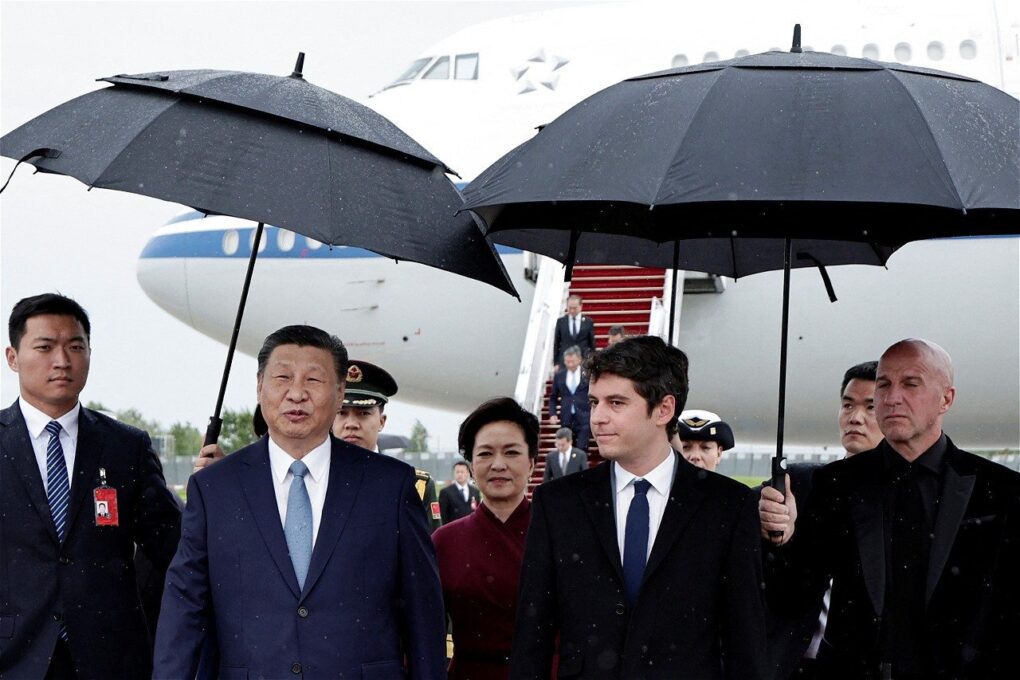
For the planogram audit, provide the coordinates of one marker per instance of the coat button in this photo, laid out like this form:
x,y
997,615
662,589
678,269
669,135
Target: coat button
x,y
302,612
296,669
620,608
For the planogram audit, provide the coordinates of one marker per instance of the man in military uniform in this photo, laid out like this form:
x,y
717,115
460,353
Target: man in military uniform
x,y
361,419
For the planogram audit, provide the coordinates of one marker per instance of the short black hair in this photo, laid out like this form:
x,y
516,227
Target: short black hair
x,y
655,368
305,336
494,411
37,305
565,433
866,371
617,329
464,463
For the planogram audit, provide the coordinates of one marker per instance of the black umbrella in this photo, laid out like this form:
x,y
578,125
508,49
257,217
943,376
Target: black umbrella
x,y
275,150
771,161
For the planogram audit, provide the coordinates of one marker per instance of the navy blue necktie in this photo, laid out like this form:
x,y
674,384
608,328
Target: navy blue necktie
x,y
635,541
58,490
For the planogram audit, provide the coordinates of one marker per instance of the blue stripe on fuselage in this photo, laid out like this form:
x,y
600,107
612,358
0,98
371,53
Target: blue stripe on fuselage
x,y
209,244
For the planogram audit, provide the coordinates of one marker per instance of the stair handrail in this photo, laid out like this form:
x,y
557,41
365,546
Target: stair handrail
x,y
536,355
657,317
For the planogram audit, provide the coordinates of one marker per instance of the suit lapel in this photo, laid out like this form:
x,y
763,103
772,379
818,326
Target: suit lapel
x,y
869,526
17,447
257,485
87,455
346,469
683,501
597,499
956,493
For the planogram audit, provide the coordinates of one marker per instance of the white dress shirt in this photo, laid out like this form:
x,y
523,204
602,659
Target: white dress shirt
x,y
464,493
661,479
36,422
316,479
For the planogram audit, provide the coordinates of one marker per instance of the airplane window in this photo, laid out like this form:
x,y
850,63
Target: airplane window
x,y
968,49
680,60
312,243
262,241
870,51
710,56
903,52
740,53
466,67
839,49
936,51
284,240
414,69
439,70
231,241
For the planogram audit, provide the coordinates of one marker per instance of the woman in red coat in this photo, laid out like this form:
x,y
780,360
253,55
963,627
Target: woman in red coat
x,y
480,555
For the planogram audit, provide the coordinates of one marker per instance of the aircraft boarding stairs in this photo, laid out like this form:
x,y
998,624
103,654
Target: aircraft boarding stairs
x,y
629,296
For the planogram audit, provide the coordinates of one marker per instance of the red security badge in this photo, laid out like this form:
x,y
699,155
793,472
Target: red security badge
x,y
105,500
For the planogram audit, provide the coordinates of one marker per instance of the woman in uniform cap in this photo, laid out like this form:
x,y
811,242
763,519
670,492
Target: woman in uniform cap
x,y
701,436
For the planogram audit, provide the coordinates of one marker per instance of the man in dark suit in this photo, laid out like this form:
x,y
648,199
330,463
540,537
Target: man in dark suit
x,y
460,498
794,640
573,329
78,491
565,458
308,556
920,539
568,401
645,566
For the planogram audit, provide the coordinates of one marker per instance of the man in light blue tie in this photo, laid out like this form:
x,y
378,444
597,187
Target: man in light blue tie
x,y
78,492
308,556
644,566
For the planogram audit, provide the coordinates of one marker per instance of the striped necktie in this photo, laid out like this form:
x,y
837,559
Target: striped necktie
x,y
58,490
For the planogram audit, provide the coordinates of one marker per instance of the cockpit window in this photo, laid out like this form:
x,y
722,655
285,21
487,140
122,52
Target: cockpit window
x,y
414,69
466,67
439,70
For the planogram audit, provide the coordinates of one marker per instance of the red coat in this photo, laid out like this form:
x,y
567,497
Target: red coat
x,y
479,566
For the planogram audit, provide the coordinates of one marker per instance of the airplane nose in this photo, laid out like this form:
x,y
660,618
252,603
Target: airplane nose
x,y
164,279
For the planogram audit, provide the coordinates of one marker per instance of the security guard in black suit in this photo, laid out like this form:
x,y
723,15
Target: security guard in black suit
x,y
361,419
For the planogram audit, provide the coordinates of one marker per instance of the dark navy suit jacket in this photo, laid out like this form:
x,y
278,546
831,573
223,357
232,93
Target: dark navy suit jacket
x,y
371,606
86,582
561,400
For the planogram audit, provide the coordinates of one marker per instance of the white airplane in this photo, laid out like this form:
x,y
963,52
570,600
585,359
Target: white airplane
x,y
452,343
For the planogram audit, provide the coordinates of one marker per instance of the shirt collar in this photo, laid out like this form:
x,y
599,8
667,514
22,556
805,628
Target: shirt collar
x,y
930,460
36,421
660,477
316,460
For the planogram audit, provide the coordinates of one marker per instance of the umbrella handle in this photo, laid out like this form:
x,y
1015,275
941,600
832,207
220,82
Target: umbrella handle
x,y
779,461
212,432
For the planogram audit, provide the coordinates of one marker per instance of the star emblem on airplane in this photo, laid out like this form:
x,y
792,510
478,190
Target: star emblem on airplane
x,y
541,69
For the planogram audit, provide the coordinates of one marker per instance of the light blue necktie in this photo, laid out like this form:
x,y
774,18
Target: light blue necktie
x,y
635,541
298,527
58,490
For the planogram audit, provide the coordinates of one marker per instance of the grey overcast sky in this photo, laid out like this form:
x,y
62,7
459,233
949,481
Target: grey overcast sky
x,y
56,236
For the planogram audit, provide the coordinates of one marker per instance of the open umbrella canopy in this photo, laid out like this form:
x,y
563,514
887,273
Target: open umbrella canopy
x,y
311,162
774,145
770,161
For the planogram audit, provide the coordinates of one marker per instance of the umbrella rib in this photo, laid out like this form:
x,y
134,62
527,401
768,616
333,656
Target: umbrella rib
x,y
947,177
137,134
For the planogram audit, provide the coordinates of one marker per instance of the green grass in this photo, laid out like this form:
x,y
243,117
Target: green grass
x,y
749,481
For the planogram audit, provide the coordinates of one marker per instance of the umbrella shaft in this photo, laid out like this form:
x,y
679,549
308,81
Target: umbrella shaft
x,y
212,432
